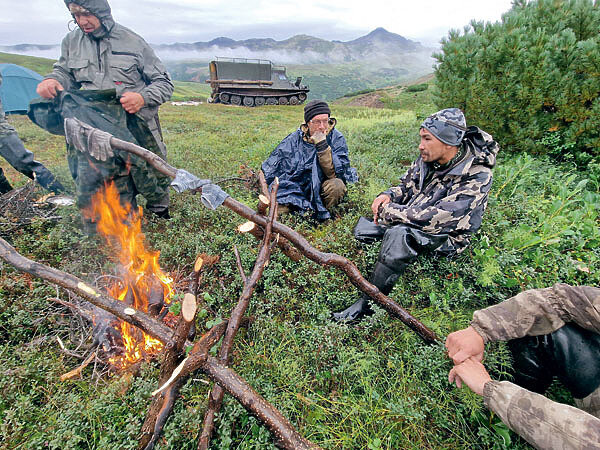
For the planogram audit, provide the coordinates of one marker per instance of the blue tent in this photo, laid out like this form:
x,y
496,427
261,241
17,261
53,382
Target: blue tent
x,y
18,87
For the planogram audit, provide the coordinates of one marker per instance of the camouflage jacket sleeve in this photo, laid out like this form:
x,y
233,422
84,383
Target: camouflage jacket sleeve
x,y
539,311
458,211
540,421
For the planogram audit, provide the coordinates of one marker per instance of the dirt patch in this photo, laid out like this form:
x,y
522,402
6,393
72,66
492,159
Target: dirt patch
x,y
370,100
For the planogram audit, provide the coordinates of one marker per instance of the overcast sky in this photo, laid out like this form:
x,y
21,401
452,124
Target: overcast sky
x,y
169,21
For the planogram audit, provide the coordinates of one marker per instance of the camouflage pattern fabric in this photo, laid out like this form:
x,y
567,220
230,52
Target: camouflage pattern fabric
x,y
540,421
453,200
448,125
539,311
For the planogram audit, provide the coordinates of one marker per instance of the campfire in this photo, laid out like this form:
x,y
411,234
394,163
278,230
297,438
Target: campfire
x,y
142,284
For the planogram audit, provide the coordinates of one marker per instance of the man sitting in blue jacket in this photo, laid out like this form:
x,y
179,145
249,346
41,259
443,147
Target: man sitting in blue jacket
x,y
312,164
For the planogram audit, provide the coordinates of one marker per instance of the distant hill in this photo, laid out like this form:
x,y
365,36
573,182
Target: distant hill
x,y
330,68
415,95
183,90
300,49
39,65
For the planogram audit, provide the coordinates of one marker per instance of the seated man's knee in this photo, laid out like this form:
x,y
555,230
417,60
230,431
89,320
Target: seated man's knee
x,y
403,244
332,192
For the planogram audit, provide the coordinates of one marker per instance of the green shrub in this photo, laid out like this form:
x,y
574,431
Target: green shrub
x,y
417,87
535,72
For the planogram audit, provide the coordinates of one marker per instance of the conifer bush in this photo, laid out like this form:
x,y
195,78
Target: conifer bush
x,y
531,79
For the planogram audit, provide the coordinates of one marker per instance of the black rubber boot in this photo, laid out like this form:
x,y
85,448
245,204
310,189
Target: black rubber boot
x,y
571,353
384,278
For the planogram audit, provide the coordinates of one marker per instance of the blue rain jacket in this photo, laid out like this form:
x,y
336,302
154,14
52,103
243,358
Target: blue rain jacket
x,y
294,161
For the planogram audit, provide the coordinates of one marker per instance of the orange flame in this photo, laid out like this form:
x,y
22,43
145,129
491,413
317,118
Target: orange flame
x,y
121,227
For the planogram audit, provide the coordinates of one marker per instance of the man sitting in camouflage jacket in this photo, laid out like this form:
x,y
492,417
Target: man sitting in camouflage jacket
x,y
552,332
438,205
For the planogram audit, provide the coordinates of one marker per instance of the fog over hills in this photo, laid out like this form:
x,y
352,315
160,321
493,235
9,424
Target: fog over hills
x,y
299,49
332,68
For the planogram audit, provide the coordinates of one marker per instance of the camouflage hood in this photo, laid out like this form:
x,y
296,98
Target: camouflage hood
x,y
482,146
101,9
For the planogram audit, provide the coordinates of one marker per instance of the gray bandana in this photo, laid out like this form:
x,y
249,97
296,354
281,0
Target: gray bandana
x,y
448,125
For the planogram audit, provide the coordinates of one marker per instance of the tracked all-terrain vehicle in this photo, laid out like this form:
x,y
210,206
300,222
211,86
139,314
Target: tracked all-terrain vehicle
x,y
253,82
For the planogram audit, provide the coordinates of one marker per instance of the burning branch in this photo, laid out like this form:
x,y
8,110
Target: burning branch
x,y
285,434
130,315
326,259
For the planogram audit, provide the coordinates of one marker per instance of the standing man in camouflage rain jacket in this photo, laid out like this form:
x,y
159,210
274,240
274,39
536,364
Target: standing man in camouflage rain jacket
x,y
552,332
13,150
436,208
102,54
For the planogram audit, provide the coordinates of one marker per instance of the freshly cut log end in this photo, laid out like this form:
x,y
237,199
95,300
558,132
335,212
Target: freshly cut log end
x,y
246,227
188,307
264,200
198,264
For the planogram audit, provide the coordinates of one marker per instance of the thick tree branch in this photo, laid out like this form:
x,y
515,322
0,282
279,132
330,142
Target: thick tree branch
x,y
216,395
327,259
285,434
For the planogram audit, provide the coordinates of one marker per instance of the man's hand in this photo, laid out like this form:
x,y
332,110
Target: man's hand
x,y
383,199
464,344
132,102
317,137
49,88
470,372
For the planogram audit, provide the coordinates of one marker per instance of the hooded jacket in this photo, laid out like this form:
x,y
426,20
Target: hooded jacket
x,y
294,161
451,200
113,57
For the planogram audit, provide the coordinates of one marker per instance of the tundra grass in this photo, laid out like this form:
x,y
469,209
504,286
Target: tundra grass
x,y
374,385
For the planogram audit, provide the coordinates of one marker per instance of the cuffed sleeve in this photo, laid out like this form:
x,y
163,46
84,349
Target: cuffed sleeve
x,y
540,421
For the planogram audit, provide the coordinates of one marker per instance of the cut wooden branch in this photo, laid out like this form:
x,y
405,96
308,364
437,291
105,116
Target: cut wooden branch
x,y
162,405
289,250
216,396
285,435
76,372
263,205
197,355
70,282
262,182
326,259
347,266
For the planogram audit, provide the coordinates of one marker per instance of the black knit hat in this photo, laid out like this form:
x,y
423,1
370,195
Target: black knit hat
x,y
314,108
